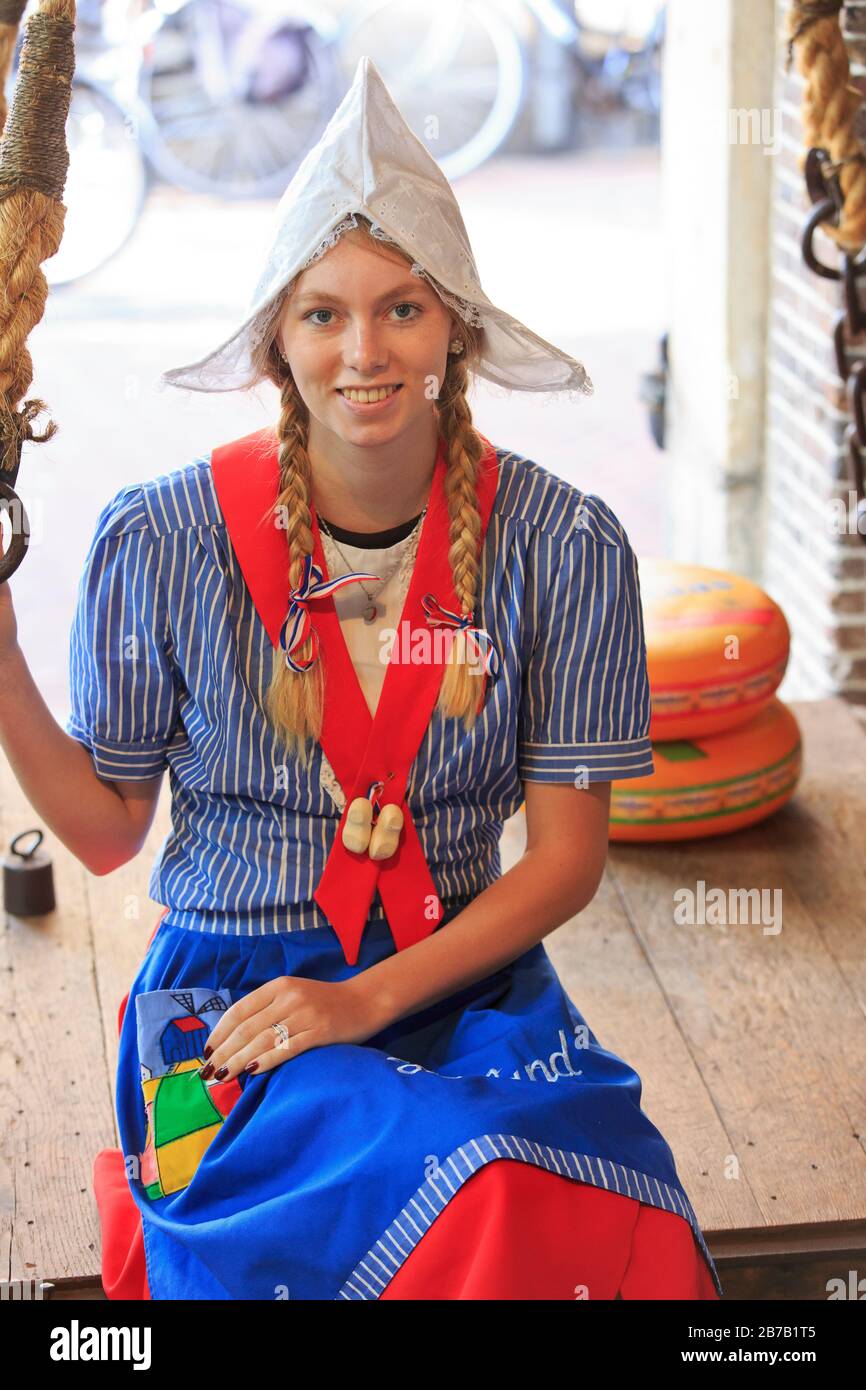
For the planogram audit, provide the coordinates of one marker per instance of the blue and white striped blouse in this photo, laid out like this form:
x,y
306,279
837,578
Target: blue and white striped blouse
x,y
170,662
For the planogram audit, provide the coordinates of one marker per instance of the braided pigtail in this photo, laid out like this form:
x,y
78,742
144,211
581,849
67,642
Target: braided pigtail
x,y
294,699
463,682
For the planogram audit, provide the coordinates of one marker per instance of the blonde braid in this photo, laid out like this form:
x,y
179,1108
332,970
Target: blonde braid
x,y
462,683
295,699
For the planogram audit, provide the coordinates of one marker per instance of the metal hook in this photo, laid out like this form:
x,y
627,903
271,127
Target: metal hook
x,y
10,461
818,186
821,212
851,272
17,549
25,854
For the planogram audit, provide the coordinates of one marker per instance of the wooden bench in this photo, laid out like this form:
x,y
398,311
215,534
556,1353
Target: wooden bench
x,y
751,1046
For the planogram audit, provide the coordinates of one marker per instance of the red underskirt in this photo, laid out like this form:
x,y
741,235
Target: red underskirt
x,y
512,1231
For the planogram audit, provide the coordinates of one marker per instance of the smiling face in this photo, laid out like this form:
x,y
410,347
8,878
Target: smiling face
x,y
366,342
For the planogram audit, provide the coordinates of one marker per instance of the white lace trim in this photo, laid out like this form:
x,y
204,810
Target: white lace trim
x,y
467,311
337,566
328,780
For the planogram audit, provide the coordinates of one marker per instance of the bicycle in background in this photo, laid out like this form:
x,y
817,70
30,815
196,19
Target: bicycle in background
x,y
225,97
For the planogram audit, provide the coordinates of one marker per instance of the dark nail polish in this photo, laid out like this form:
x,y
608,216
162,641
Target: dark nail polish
x,y
251,1066
206,1071
223,1071
207,1050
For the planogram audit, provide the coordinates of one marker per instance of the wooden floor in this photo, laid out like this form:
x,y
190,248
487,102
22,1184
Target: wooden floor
x,y
751,1045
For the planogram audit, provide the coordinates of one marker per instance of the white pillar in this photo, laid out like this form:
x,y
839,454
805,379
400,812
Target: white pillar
x,y
718,135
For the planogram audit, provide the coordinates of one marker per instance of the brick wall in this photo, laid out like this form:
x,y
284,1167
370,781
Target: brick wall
x,y
816,574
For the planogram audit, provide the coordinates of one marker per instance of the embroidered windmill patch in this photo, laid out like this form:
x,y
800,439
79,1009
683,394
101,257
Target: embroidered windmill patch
x,y
183,1113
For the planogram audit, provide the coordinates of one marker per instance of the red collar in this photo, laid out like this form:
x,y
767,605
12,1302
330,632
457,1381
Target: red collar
x,y
360,748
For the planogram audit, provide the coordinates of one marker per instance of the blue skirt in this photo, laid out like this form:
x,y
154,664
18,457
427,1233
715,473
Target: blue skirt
x,y
322,1174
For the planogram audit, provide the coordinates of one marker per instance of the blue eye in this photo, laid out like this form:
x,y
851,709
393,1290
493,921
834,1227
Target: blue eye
x,y
402,319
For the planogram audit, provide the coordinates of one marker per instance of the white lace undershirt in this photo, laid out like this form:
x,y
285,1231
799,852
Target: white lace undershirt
x,y
362,639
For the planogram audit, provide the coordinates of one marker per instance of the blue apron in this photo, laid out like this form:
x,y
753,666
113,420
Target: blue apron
x,y
328,1169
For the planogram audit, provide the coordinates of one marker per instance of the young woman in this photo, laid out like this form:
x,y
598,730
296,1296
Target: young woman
x,y
360,641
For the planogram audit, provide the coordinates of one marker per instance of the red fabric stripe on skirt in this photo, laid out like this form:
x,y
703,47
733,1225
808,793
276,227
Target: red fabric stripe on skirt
x,y
512,1231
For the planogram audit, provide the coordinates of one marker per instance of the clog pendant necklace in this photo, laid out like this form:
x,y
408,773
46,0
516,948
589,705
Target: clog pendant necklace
x,y
380,836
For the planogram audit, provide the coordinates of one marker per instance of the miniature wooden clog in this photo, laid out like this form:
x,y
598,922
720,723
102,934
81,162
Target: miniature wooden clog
x,y
386,832
358,824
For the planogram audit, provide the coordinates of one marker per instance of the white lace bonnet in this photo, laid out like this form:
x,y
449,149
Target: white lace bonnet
x,y
369,161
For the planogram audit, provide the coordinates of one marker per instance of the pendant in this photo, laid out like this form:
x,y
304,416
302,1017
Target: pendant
x,y
360,834
385,836
358,825
370,613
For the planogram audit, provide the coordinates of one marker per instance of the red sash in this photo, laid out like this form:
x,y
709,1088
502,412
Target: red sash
x,y
361,749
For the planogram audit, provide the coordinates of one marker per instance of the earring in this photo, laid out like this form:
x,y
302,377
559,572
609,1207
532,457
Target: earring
x,y
456,347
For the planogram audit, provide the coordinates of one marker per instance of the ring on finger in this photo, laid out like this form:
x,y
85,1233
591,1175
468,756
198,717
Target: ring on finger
x,y
282,1033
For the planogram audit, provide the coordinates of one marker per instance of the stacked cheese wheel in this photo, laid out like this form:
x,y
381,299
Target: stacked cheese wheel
x,y
726,750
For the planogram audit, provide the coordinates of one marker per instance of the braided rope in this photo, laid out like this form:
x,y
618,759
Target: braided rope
x,y
10,17
829,108
33,167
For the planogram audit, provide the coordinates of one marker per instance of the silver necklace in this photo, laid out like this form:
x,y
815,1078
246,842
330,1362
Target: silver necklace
x,y
371,612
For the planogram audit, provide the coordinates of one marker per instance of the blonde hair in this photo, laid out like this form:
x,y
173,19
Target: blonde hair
x,y
294,700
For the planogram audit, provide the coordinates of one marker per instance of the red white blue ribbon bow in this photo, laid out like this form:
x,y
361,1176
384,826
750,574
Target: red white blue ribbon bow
x,y
298,624
480,642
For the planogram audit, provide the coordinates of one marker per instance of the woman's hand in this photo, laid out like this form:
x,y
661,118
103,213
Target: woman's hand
x,y
315,1012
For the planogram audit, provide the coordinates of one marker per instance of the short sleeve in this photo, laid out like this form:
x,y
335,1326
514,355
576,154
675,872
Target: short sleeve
x,y
122,689
585,712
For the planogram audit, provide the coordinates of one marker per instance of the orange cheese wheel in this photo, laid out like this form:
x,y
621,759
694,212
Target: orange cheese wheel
x,y
717,647
714,784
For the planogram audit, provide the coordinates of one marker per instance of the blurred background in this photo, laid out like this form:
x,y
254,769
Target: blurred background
x,y
188,119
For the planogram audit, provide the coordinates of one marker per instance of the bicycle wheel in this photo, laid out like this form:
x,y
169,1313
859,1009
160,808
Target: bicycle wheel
x,y
105,186
456,70
232,98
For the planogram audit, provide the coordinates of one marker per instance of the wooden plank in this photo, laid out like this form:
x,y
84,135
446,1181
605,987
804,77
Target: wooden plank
x,y
785,1281
829,833
772,1021
55,1096
845,1239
